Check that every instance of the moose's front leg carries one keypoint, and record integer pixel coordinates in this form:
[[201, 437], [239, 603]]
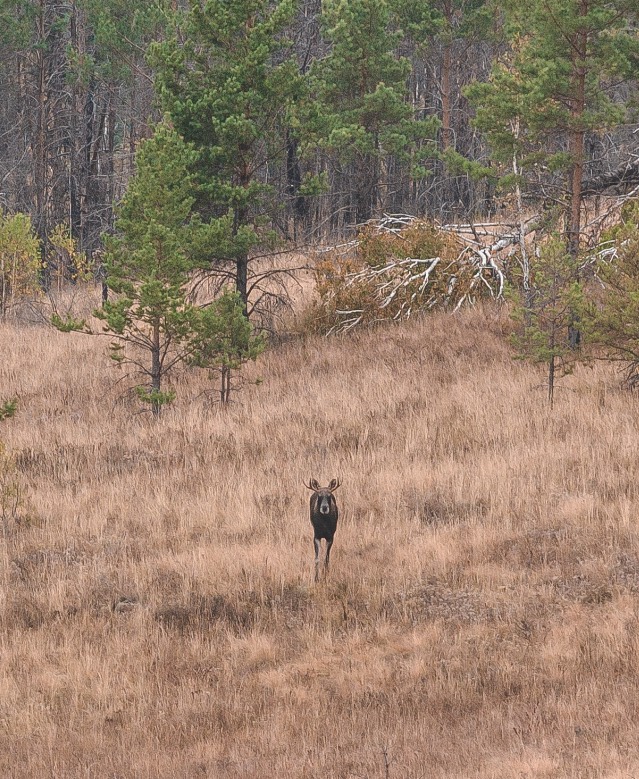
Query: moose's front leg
[[329, 544], [317, 544]]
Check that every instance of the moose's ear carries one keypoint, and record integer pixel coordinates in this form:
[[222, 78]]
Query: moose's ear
[[315, 485], [333, 485]]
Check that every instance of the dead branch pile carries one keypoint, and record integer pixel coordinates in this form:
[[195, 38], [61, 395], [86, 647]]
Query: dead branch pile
[[400, 265]]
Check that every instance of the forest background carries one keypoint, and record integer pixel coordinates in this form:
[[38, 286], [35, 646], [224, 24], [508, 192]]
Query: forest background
[[353, 109]]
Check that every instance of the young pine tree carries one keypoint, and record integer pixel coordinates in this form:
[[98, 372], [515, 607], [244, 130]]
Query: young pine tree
[[148, 263], [612, 322], [545, 313], [224, 340], [20, 261], [557, 84]]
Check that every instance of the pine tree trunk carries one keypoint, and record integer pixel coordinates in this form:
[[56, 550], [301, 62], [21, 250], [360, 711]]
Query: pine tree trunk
[[240, 219], [577, 135], [366, 184], [576, 147], [225, 387], [294, 179], [576, 184], [241, 280], [156, 369], [75, 151], [446, 132], [40, 150]]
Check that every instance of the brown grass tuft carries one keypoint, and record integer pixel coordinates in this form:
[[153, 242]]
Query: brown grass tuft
[[157, 610]]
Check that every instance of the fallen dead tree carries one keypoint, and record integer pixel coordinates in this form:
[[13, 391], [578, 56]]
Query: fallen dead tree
[[400, 265]]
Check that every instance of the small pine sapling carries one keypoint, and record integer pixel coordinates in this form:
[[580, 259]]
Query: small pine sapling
[[8, 409], [148, 261], [545, 313], [224, 340], [19, 260], [611, 322]]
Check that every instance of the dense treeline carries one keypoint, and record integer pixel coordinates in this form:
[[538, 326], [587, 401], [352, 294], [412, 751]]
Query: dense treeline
[[375, 116]]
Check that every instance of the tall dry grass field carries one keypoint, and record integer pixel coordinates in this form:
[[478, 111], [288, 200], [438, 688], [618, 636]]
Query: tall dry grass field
[[158, 616]]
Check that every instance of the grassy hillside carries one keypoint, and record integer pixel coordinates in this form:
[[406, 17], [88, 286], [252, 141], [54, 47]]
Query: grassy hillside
[[158, 616]]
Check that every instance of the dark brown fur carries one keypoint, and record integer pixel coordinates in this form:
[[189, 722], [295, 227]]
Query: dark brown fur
[[324, 515]]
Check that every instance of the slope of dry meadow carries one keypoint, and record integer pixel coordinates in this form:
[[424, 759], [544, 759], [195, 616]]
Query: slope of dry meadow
[[157, 612]]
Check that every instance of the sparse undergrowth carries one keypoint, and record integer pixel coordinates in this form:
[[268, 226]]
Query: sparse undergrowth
[[158, 616]]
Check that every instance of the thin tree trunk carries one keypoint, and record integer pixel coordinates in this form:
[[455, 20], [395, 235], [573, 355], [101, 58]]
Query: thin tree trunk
[[525, 262], [446, 133], [294, 179], [225, 388], [366, 184], [75, 213], [240, 219], [576, 147], [40, 177], [576, 183], [156, 369], [577, 135]]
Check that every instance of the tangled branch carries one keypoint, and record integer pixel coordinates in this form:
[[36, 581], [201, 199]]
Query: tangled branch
[[400, 266]]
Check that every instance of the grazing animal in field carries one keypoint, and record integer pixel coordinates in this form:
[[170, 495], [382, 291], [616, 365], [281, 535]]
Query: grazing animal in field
[[323, 518]]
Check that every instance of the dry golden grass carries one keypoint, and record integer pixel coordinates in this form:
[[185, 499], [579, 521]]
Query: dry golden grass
[[157, 612]]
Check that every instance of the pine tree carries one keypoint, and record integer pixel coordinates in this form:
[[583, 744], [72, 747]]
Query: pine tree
[[611, 321], [553, 88], [149, 260], [227, 82], [361, 111], [545, 313], [20, 260], [224, 340]]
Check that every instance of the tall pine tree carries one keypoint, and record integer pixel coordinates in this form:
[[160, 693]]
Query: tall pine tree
[[361, 111], [227, 82], [555, 87]]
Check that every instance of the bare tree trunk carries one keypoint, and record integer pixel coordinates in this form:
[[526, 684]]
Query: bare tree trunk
[[446, 131], [366, 179], [525, 262], [225, 385], [75, 213], [40, 144], [240, 220], [576, 147], [156, 369], [577, 137]]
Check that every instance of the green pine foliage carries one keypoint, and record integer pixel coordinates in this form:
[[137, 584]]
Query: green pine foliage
[[121, 30], [227, 81], [544, 314], [149, 260], [8, 409], [360, 109], [225, 340], [612, 318], [20, 261], [556, 84], [535, 81]]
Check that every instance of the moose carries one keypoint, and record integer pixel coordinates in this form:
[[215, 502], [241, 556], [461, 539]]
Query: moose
[[323, 518]]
